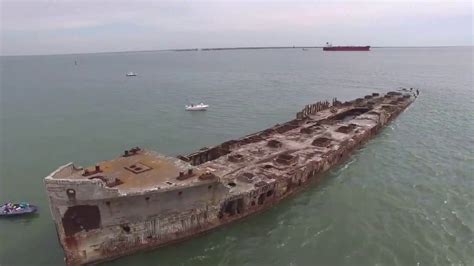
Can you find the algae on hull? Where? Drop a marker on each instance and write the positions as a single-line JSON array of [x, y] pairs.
[[142, 199]]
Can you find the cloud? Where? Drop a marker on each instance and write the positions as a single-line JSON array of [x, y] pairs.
[[40, 26]]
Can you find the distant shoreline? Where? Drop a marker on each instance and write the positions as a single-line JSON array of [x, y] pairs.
[[237, 48]]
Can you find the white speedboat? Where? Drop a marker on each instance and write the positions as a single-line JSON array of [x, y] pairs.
[[196, 107], [131, 74]]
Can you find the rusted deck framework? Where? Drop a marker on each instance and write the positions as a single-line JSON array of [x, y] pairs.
[[143, 199]]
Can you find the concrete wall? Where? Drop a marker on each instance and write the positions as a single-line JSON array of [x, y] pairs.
[[135, 208], [103, 223], [129, 221]]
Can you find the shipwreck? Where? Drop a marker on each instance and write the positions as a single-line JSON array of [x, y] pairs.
[[143, 200]]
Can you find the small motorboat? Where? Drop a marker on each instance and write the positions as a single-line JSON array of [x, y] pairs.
[[131, 74], [15, 209], [196, 107]]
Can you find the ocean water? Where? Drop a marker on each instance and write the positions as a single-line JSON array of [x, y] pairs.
[[406, 198]]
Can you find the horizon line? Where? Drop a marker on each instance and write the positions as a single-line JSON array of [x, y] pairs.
[[208, 49]]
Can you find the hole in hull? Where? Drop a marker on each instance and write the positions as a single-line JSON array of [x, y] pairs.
[[81, 217]]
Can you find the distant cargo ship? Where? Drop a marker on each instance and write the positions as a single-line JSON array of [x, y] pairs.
[[329, 47]]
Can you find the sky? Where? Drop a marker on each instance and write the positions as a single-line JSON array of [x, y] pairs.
[[30, 27]]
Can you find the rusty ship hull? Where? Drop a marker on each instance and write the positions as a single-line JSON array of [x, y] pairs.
[[143, 200]]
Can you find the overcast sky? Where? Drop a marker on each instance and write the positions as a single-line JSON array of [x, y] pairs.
[[82, 26]]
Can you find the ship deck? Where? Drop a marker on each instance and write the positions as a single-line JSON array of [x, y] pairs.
[[141, 170], [263, 155], [282, 153]]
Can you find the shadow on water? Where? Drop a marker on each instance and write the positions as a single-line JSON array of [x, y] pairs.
[[23, 219], [26, 219]]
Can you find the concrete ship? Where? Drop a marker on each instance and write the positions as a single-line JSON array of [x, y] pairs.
[[143, 200]]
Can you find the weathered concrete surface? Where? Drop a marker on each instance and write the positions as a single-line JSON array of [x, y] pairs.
[[143, 200]]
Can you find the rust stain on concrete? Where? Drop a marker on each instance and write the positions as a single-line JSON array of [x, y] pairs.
[[143, 199]]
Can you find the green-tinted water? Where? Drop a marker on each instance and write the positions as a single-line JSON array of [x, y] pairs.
[[405, 199]]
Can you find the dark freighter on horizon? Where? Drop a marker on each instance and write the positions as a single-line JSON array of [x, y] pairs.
[[329, 47]]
